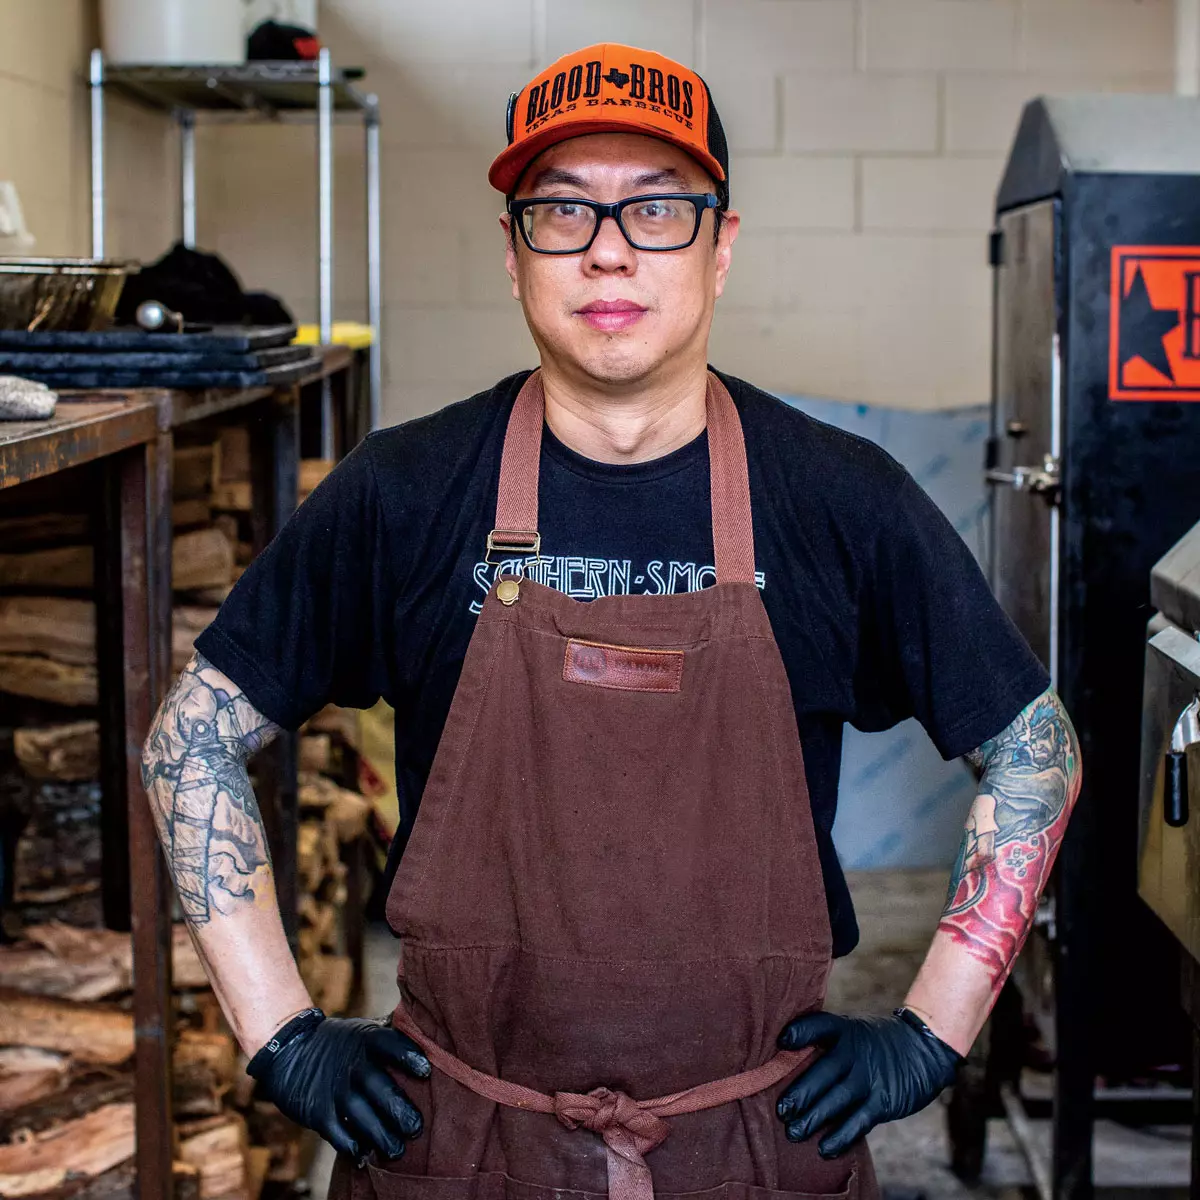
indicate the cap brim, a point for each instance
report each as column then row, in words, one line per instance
column 511, row 162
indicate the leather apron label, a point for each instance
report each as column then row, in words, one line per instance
column 626, row 668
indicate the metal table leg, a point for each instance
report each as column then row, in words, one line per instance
column 150, row 907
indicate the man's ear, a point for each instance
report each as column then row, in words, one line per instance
column 510, row 253
column 726, row 236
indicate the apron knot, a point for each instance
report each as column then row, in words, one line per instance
column 610, row 1114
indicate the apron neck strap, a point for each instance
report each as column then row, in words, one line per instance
column 516, row 529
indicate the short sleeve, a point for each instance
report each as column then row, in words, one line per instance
column 936, row 644
column 302, row 626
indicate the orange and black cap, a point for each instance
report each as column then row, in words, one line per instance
column 610, row 88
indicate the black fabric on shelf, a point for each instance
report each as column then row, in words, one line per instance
column 201, row 286
column 275, row 42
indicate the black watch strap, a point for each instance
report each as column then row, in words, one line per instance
column 298, row 1026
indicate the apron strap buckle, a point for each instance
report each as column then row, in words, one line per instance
column 524, row 543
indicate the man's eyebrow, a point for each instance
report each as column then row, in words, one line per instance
column 668, row 175
column 556, row 176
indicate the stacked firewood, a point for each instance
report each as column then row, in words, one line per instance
column 67, row 1096
column 66, row 1079
column 66, row 1035
column 48, row 638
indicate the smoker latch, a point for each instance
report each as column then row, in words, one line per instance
column 1044, row 481
column 1175, row 783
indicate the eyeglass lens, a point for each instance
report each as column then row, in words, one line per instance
column 656, row 224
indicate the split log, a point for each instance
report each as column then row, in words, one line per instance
column 188, row 622
column 44, row 679
column 59, row 848
column 88, row 1090
column 185, row 513
column 198, row 1090
column 85, row 1147
column 65, row 752
column 312, row 472
column 235, row 495
column 28, row 1075
column 219, row 1147
column 340, row 722
column 216, row 1053
column 233, row 452
column 329, row 979
column 282, row 1138
column 67, row 567
column 259, row 1163
column 319, row 929
column 87, row 1032
column 347, row 812
column 195, row 470
column 212, row 597
column 310, row 856
column 36, row 529
column 87, row 964
column 229, row 525
column 201, row 559
column 316, row 753
column 57, row 627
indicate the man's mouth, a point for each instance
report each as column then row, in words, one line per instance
column 611, row 316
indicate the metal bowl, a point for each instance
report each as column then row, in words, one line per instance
column 60, row 293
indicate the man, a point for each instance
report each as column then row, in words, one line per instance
column 620, row 897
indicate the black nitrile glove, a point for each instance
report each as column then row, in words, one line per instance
column 874, row 1069
column 330, row 1075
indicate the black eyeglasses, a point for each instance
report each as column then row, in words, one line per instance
column 569, row 224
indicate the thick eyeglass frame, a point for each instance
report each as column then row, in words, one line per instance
column 701, row 203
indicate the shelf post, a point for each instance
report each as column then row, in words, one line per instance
column 325, row 188
column 187, row 177
column 96, row 80
column 374, row 260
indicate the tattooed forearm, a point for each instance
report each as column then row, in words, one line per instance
column 1030, row 777
column 194, row 771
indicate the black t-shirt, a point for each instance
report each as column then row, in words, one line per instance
column 879, row 610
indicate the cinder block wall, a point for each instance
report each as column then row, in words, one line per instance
column 867, row 139
column 45, row 143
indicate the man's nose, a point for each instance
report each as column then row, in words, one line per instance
column 609, row 250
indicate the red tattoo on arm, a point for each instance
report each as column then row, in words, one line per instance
column 1031, row 778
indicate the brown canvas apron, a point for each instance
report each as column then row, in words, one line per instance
column 612, row 897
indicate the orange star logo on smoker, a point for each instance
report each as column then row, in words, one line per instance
column 1154, row 337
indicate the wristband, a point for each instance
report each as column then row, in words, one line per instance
column 297, row 1026
column 911, row 1019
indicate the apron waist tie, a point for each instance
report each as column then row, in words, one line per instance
column 630, row 1128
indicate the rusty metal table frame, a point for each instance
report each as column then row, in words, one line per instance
column 120, row 436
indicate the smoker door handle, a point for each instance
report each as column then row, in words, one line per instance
column 1175, row 789
column 1044, row 480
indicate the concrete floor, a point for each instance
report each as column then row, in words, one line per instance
column 898, row 912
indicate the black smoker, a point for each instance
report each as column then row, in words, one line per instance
column 1094, row 467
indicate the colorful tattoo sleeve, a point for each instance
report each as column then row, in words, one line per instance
column 194, row 771
column 1029, row 783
